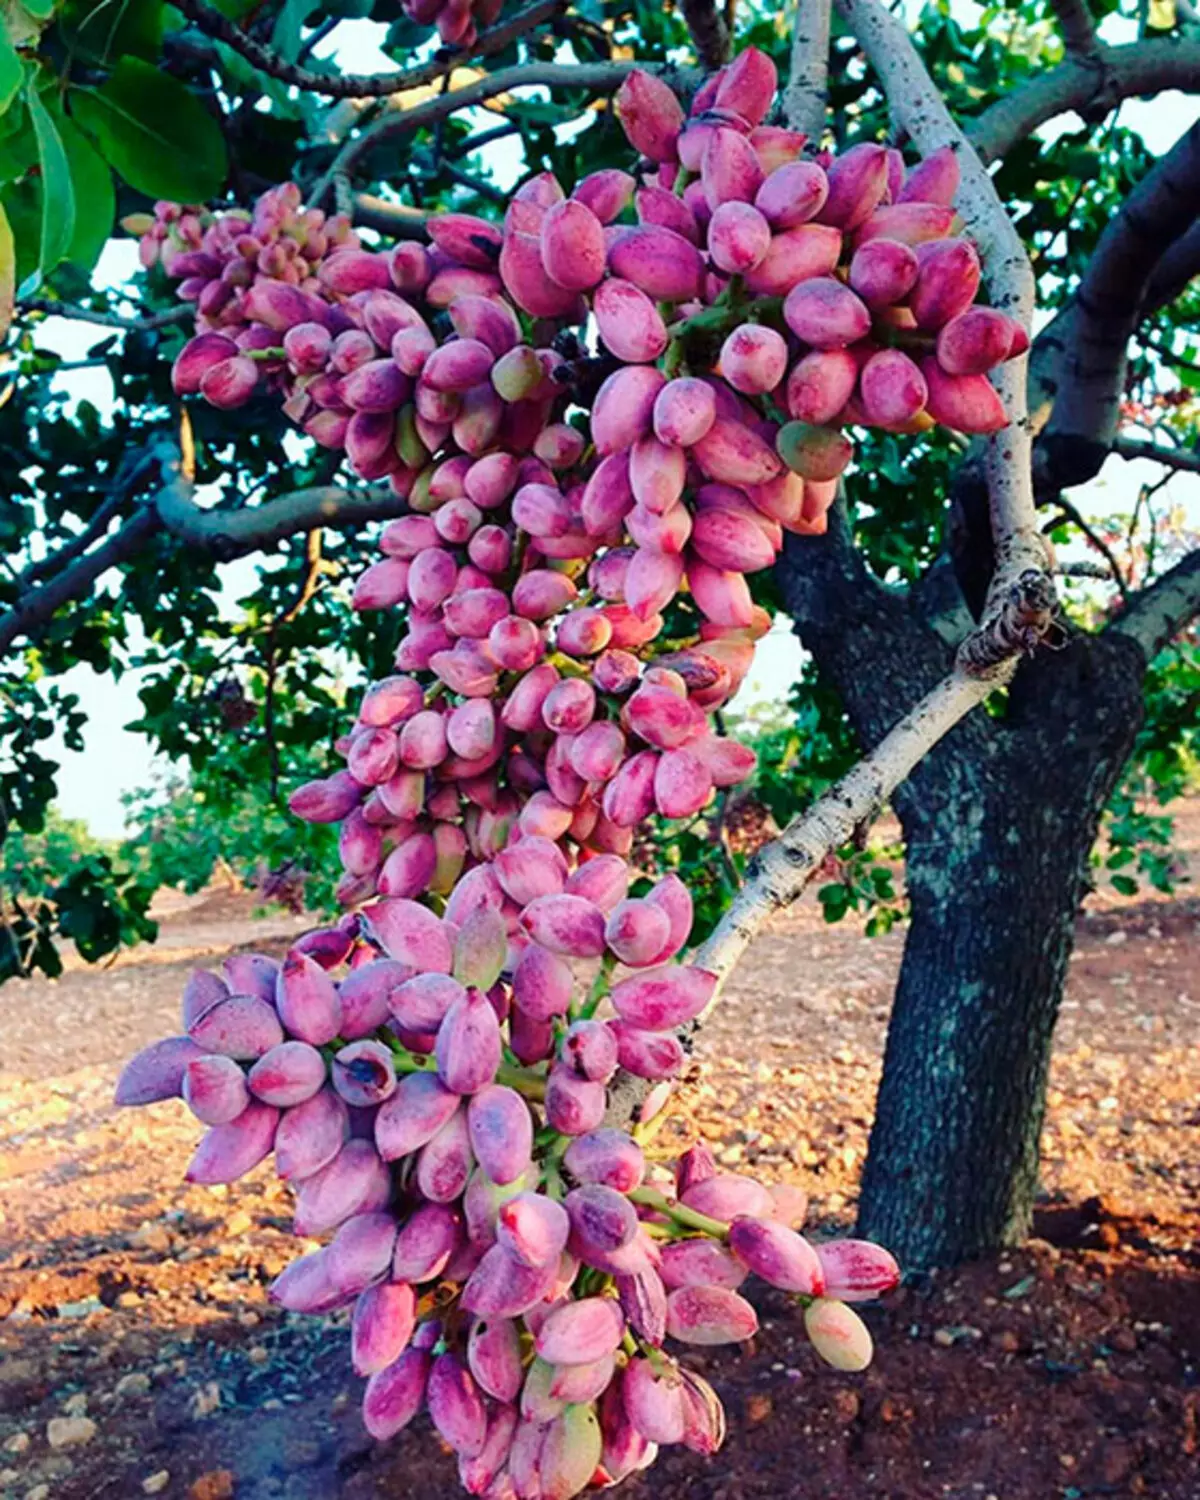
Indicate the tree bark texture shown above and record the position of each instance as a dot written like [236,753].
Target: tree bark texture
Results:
[998,823]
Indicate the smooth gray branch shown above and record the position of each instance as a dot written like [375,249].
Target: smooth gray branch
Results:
[806,95]
[1157,614]
[1108,306]
[1091,85]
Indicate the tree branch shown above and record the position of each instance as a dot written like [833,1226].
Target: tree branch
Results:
[1075,516]
[1157,614]
[1021,584]
[364,85]
[227,534]
[707,29]
[780,871]
[1107,308]
[593,77]
[105,319]
[396,219]
[1091,85]
[222,534]
[37,606]
[1077,27]
[805,97]
[1187,459]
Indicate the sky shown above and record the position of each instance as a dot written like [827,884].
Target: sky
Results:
[115,760]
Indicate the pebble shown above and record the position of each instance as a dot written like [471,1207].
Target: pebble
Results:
[76,1405]
[154,1484]
[70,1432]
[136,1383]
[258,1354]
[206,1400]
[38,1492]
[238,1223]
[149,1236]
[18,1443]
[129,1299]
[217,1484]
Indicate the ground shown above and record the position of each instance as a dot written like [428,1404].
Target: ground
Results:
[134,1307]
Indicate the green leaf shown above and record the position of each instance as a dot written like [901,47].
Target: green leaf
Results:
[105,30]
[58,192]
[8,273]
[12,71]
[95,200]
[154,132]
[40,10]
[286,38]
[1125,884]
[22,203]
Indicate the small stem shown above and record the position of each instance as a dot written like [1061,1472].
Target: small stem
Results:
[599,987]
[652,1198]
[521,1079]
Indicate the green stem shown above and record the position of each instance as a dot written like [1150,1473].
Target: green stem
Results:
[521,1079]
[263,354]
[599,987]
[678,1212]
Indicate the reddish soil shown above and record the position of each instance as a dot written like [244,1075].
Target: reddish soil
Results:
[1066,1369]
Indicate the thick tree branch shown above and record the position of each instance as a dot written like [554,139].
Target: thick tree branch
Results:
[228,534]
[365,85]
[1077,27]
[591,77]
[1174,458]
[36,606]
[1091,85]
[805,97]
[221,534]
[1107,308]
[1157,614]
[395,219]
[708,31]
[918,107]
[1179,264]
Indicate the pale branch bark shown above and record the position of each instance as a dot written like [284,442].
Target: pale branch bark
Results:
[919,108]
[590,77]
[227,534]
[365,85]
[1187,459]
[1156,615]
[782,869]
[708,31]
[1091,85]
[1107,308]
[143,324]
[221,534]
[1077,27]
[806,93]
[1082,568]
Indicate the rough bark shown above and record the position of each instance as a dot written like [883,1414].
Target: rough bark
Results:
[996,865]
[998,822]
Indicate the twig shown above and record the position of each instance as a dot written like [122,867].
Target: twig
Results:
[805,97]
[1071,513]
[590,77]
[364,85]
[105,319]
[1174,458]
[1085,569]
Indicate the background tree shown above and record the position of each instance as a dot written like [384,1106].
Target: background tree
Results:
[928,581]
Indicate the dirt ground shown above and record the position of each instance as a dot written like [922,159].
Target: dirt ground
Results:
[1068,1369]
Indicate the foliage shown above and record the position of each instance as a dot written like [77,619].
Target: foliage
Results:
[61,883]
[102,109]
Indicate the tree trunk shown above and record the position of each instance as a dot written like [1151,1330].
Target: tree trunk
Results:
[996,865]
[998,821]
